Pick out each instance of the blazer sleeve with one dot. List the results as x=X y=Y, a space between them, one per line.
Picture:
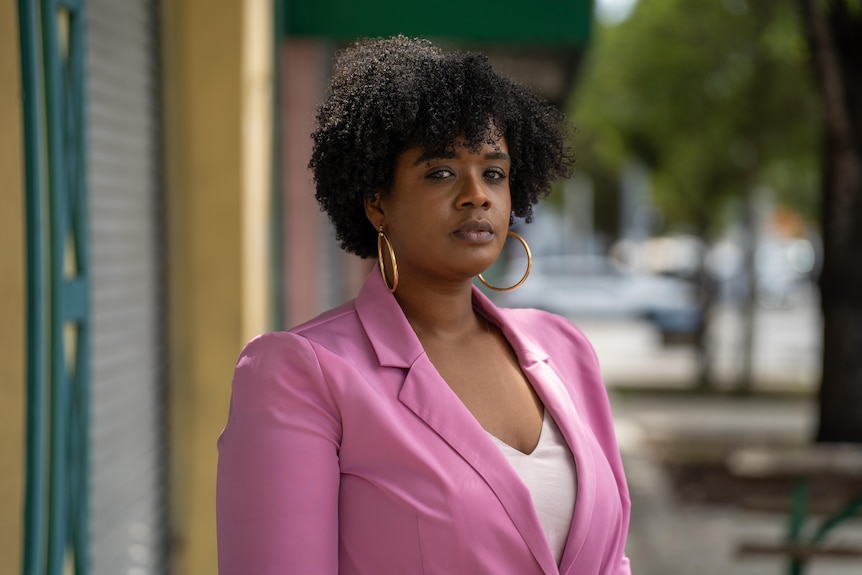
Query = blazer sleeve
x=625 y=567
x=278 y=468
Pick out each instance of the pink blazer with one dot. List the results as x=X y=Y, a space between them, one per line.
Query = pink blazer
x=346 y=453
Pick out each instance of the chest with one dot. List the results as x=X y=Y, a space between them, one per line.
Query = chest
x=423 y=484
x=486 y=377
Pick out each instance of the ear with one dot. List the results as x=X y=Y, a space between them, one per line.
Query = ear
x=374 y=210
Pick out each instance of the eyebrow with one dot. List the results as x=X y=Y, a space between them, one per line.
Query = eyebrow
x=437 y=155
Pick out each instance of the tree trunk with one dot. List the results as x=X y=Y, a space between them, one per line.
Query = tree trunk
x=834 y=30
x=751 y=222
x=706 y=300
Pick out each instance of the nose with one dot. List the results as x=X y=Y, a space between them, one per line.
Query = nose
x=473 y=193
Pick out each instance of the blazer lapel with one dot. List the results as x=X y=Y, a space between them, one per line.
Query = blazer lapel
x=558 y=401
x=561 y=407
x=426 y=394
x=388 y=330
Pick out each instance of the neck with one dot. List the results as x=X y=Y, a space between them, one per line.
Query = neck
x=439 y=310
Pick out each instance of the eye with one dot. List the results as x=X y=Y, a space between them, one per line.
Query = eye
x=495 y=174
x=440 y=173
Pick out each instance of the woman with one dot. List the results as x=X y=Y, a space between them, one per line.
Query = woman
x=419 y=428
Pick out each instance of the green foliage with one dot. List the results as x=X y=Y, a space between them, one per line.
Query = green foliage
x=853 y=7
x=715 y=96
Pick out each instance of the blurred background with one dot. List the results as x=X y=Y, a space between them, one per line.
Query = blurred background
x=158 y=212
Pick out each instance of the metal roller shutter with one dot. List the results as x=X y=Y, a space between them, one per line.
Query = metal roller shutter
x=128 y=459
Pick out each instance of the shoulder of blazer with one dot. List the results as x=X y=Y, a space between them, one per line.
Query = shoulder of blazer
x=337 y=330
x=552 y=333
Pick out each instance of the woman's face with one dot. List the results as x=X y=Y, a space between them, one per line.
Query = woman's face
x=447 y=213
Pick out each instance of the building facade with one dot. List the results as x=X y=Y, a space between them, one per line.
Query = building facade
x=157 y=209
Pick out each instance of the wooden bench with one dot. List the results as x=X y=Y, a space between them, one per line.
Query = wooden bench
x=804 y=466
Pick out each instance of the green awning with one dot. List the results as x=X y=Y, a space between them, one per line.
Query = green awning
x=536 y=22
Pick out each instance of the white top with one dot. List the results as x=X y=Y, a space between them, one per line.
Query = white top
x=549 y=473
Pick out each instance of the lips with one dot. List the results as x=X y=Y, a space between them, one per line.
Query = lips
x=475 y=231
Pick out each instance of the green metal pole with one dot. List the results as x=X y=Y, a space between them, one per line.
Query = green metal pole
x=798 y=515
x=848 y=512
x=55 y=514
x=80 y=312
x=59 y=393
x=35 y=472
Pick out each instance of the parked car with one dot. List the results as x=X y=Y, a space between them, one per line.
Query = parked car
x=580 y=286
x=785 y=268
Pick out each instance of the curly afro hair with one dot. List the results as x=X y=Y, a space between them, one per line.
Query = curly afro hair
x=387 y=95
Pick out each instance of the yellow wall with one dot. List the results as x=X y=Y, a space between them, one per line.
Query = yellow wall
x=258 y=77
x=12 y=302
x=218 y=78
x=218 y=84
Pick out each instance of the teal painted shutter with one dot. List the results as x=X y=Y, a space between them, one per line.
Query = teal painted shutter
x=96 y=458
x=55 y=517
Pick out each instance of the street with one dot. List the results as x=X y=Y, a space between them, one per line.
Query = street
x=786 y=349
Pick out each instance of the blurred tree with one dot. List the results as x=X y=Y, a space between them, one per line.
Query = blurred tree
x=714 y=98
x=834 y=29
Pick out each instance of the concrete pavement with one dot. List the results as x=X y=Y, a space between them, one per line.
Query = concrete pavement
x=678 y=527
x=675 y=529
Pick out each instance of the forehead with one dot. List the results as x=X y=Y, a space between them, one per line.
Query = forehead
x=491 y=148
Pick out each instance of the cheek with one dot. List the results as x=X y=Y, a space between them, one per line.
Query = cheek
x=505 y=202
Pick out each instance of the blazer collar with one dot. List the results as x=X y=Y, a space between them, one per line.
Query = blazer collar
x=394 y=340
x=391 y=335
x=428 y=396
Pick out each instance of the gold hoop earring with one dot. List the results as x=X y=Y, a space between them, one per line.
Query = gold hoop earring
x=526 y=273
x=381 y=237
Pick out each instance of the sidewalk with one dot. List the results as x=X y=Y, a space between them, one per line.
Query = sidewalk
x=674 y=441
x=676 y=527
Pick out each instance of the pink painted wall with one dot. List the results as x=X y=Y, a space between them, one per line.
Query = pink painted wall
x=303 y=69
x=303 y=72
